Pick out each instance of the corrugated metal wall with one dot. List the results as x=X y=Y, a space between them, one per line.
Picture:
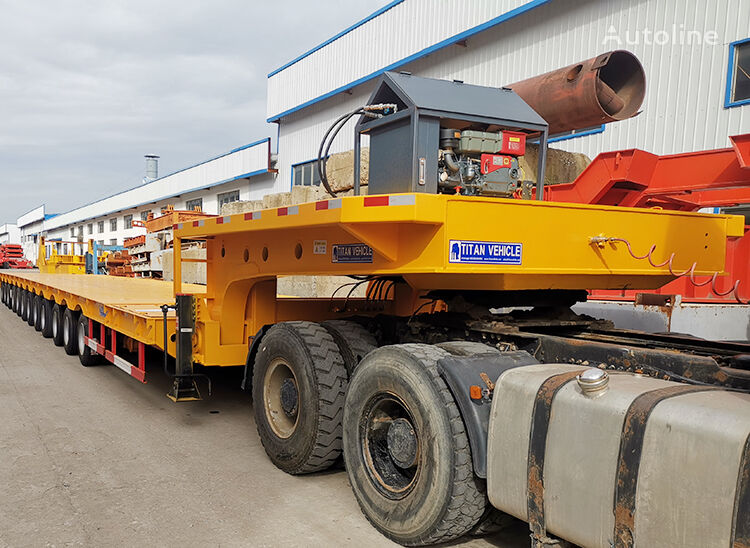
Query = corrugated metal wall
x=684 y=105
x=403 y=30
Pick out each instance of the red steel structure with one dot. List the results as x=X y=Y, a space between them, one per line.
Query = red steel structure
x=11 y=256
x=681 y=182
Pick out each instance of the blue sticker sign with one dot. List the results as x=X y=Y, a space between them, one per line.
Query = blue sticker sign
x=351 y=253
x=472 y=252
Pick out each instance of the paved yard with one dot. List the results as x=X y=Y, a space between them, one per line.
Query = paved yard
x=91 y=457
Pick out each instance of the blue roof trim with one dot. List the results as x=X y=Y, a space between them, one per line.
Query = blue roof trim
x=728 y=103
x=339 y=35
x=594 y=131
x=255 y=143
x=188 y=191
x=520 y=10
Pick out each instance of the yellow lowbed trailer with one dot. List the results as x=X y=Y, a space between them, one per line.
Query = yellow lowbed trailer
x=414 y=426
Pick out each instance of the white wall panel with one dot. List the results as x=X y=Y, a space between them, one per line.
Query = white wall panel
x=684 y=105
x=404 y=30
x=244 y=161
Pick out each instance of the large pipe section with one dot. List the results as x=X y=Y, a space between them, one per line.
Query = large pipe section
x=603 y=89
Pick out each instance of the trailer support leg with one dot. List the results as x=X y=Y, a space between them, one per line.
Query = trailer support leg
x=184 y=387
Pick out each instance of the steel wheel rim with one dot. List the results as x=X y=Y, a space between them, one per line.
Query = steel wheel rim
x=42 y=317
x=282 y=424
x=81 y=342
x=392 y=480
x=55 y=325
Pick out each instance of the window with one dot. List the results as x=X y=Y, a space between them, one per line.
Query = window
x=738 y=78
x=228 y=197
x=72 y=232
x=305 y=174
x=113 y=241
x=80 y=231
x=100 y=242
x=100 y=227
x=112 y=225
x=144 y=215
x=192 y=205
x=90 y=228
x=128 y=221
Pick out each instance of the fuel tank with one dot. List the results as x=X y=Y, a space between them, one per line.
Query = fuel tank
x=617 y=459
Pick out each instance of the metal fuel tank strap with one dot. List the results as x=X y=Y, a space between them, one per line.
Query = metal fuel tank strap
x=537 y=448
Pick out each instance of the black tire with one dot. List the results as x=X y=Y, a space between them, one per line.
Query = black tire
x=31 y=309
x=467 y=348
x=25 y=305
x=45 y=318
x=19 y=302
x=433 y=495
x=14 y=299
x=38 y=301
x=299 y=360
x=85 y=354
x=57 y=321
x=5 y=265
x=353 y=340
x=70 y=332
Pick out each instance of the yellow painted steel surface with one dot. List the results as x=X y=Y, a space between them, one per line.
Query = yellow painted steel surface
x=411 y=236
x=129 y=306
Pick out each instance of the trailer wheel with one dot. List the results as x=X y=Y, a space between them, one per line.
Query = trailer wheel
x=14 y=299
x=57 y=321
x=25 y=305
x=31 y=309
x=406 y=449
x=299 y=384
x=353 y=340
x=38 y=302
x=85 y=354
x=45 y=318
x=467 y=348
x=69 y=332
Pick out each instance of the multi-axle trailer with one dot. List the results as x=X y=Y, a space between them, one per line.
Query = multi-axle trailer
x=462 y=389
x=434 y=394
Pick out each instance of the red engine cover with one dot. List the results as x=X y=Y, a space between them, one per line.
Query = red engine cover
x=513 y=143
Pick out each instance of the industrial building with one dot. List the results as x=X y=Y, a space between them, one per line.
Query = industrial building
x=696 y=61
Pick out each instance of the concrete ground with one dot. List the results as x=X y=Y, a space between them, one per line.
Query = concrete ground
x=91 y=457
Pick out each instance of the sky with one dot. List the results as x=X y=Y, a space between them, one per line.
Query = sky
x=88 y=87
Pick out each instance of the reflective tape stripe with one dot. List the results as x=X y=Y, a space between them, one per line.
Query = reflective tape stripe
x=253 y=215
x=328 y=204
x=402 y=199
x=397 y=200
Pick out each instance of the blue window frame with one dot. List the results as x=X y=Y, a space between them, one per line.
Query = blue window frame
x=575 y=134
x=738 y=74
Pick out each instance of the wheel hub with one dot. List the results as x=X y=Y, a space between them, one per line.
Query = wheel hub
x=402 y=443
x=289 y=397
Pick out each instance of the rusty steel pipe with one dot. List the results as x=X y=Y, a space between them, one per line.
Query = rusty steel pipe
x=603 y=89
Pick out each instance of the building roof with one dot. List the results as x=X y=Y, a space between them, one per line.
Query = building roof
x=240 y=163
